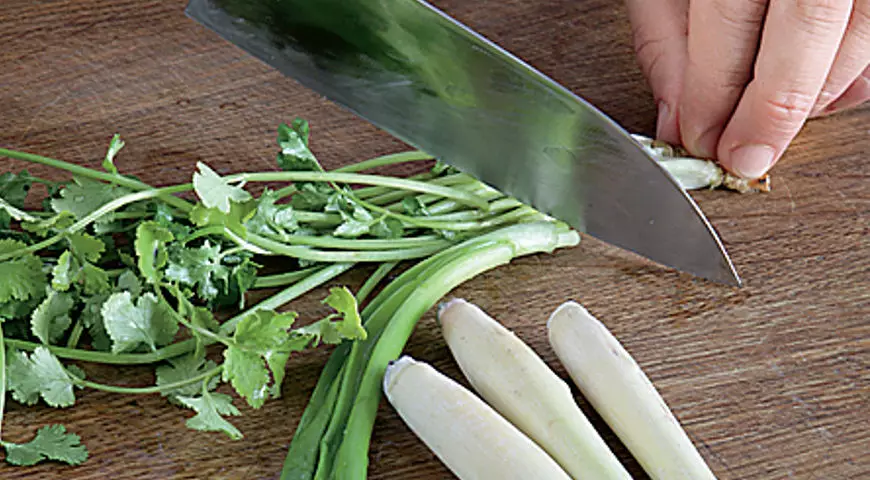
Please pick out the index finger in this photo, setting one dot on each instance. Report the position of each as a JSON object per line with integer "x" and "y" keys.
{"x": 798, "y": 46}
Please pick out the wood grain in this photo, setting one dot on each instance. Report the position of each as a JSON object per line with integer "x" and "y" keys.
{"x": 770, "y": 380}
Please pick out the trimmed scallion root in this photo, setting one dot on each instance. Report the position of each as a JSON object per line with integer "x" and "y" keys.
{"x": 465, "y": 433}
{"x": 613, "y": 382}
{"x": 519, "y": 385}
{"x": 694, "y": 173}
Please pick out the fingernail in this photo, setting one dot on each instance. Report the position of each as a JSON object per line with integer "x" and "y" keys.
{"x": 752, "y": 161}
{"x": 663, "y": 118}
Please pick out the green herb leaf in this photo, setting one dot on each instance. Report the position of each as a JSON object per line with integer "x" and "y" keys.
{"x": 115, "y": 146}
{"x": 357, "y": 221}
{"x": 311, "y": 196}
{"x": 84, "y": 196}
{"x": 271, "y": 218}
{"x": 86, "y": 246}
{"x": 94, "y": 279}
{"x": 150, "y": 245}
{"x": 414, "y": 207}
{"x": 295, "y": 154}
{"x": 40, "y": 374}
{"x": 92, "y": 317}
{"x": 209, "y": 407}
{"x": 49, "y": 226}
{"x": 64, "y": 272}
{"x": 214, "y": 191}
{"x": 199, "y": 267}
{"x": 20, "y": 278}
{"x": 147, "y": 322}
{"x": 52, "y": 442}
{"x": 259, "y": 336}
{"x": 13, "y": 189}
{"x": 164, "y": 216}
{"x": 68, "y": 271}
{"x": 327, "y": 330}
{"x": 239, "y": 212}
{"x": 247, "y": 374}
{"x": 51, "y": 319}
{"x": 387, "y": 228}
{"x": 182, "y": 368}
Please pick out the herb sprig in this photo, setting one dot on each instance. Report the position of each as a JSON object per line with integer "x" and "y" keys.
{"x": 112, "y": 270}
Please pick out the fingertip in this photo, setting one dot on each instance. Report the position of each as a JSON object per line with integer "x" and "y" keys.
{"x": 749, "y": 161}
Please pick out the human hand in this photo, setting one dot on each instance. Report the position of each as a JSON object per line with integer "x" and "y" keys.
{"x": 736, "y": 80}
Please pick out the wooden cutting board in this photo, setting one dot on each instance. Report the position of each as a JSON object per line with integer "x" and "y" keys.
{"x": 771, "y": 380}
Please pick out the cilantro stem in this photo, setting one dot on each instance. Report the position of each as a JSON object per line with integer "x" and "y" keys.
{"x": 326, "y": 241}
{"x": 76, "y": 333}
{"x": 390, "y": 196}
{"x": 94, "y": 174}
{"x": 92, "y": 217}
{"x": 165, "y": 353}
{"x": 370, "y": 192}
{"x": 319, "y": 218}
{"x": 385, "y": 160}
{"x": 268, "y": 246}
{"x": 146, "y": 390}
{"x": 289, "y": 294}
{"x": 363, "y": 179}
{"x": 281, "y": 279}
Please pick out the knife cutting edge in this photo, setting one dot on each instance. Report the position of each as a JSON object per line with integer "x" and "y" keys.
{"x": 435, "y": 84}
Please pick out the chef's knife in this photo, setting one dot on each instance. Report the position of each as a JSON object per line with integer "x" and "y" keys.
{"x": 432, "y": 82}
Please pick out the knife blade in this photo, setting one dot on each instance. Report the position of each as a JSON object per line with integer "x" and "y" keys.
{"x": 414, "y": 72}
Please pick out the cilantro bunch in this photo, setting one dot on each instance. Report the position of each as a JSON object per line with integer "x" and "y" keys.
{"x": 108, "y": 269}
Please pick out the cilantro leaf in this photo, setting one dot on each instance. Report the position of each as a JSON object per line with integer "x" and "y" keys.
{"x": 415, "y": 207}
{"x": 83, "y": 196}
{"x": 86, "y": 246}
{"x": 48, "y": 226}
{"x": 94, "y": 279}
{"x": 51, "y": 319}
{"x": 130, "y": 325}
{"x": 247, "y": 374}
{"x": 13, "y": 189}
{"x": 52, "y": 442}
{"x": 20, "y": 309}
{"x": 20, "y": 278}
{"x": 199, "y": 267}
{"x": 92, "y": 316}
{"x": 202, "y": 216}
{"x": 40, "y": 374}
{"x": 259, "y": 337}
{"x": 329, "y": 331}
{"x": 163, "y": 215}
{"x": 387, "y": 228}
{"x": 214, "y": 191}
{"x": 150, "y": 245}
{"x": 115, "y": 146}
{"x": 183, "y": 368}
{"x": 295, "y": 154}
{"x": 64, "y": 273}
{"x": 209, "y": 407}
{"x": 244, "y": 276}
{"x": 68, "y": 272}
{"x": 311, "y": 196}
{"x": 272, "y": 218}
{"x": 357, "y": 220}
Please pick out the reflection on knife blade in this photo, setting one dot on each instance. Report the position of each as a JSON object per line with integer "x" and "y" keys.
{"x": 428, "y": 80}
